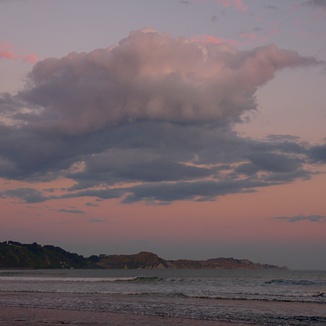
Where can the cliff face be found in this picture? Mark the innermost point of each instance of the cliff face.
(220, 263)
(143, 260)
(34, 256)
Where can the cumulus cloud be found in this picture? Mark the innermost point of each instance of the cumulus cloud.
(298, 218)
(148, 119)
(153, 77)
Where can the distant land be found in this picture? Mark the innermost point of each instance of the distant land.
(15, 255)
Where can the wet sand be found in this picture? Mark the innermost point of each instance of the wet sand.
(19, 316)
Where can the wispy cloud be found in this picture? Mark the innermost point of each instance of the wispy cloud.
(270, 7)
(257, 36)
(248, 36)
(7, 51)
(90, 204)
(29, 195)
(95, 220)
(185, 2)
(235, 4)
(299, 218)
(70, 211)
(214, 40)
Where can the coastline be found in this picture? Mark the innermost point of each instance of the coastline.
(21, 316)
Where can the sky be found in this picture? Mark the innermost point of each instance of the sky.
(193, 128)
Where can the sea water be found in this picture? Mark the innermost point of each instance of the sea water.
(259, 297)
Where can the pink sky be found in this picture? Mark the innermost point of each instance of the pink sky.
(197, 136)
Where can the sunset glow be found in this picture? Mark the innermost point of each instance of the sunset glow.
(197, 136)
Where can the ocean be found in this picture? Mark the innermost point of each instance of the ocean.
(253, 297)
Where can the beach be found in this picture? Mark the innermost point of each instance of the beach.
(18, 316)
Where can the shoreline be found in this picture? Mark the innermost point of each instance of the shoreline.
(19, 316)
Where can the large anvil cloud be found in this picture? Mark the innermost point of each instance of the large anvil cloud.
(148, 119)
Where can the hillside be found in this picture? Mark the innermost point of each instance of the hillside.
(142, 260)
(34, 256)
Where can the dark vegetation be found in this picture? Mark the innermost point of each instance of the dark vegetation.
(15, 255)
